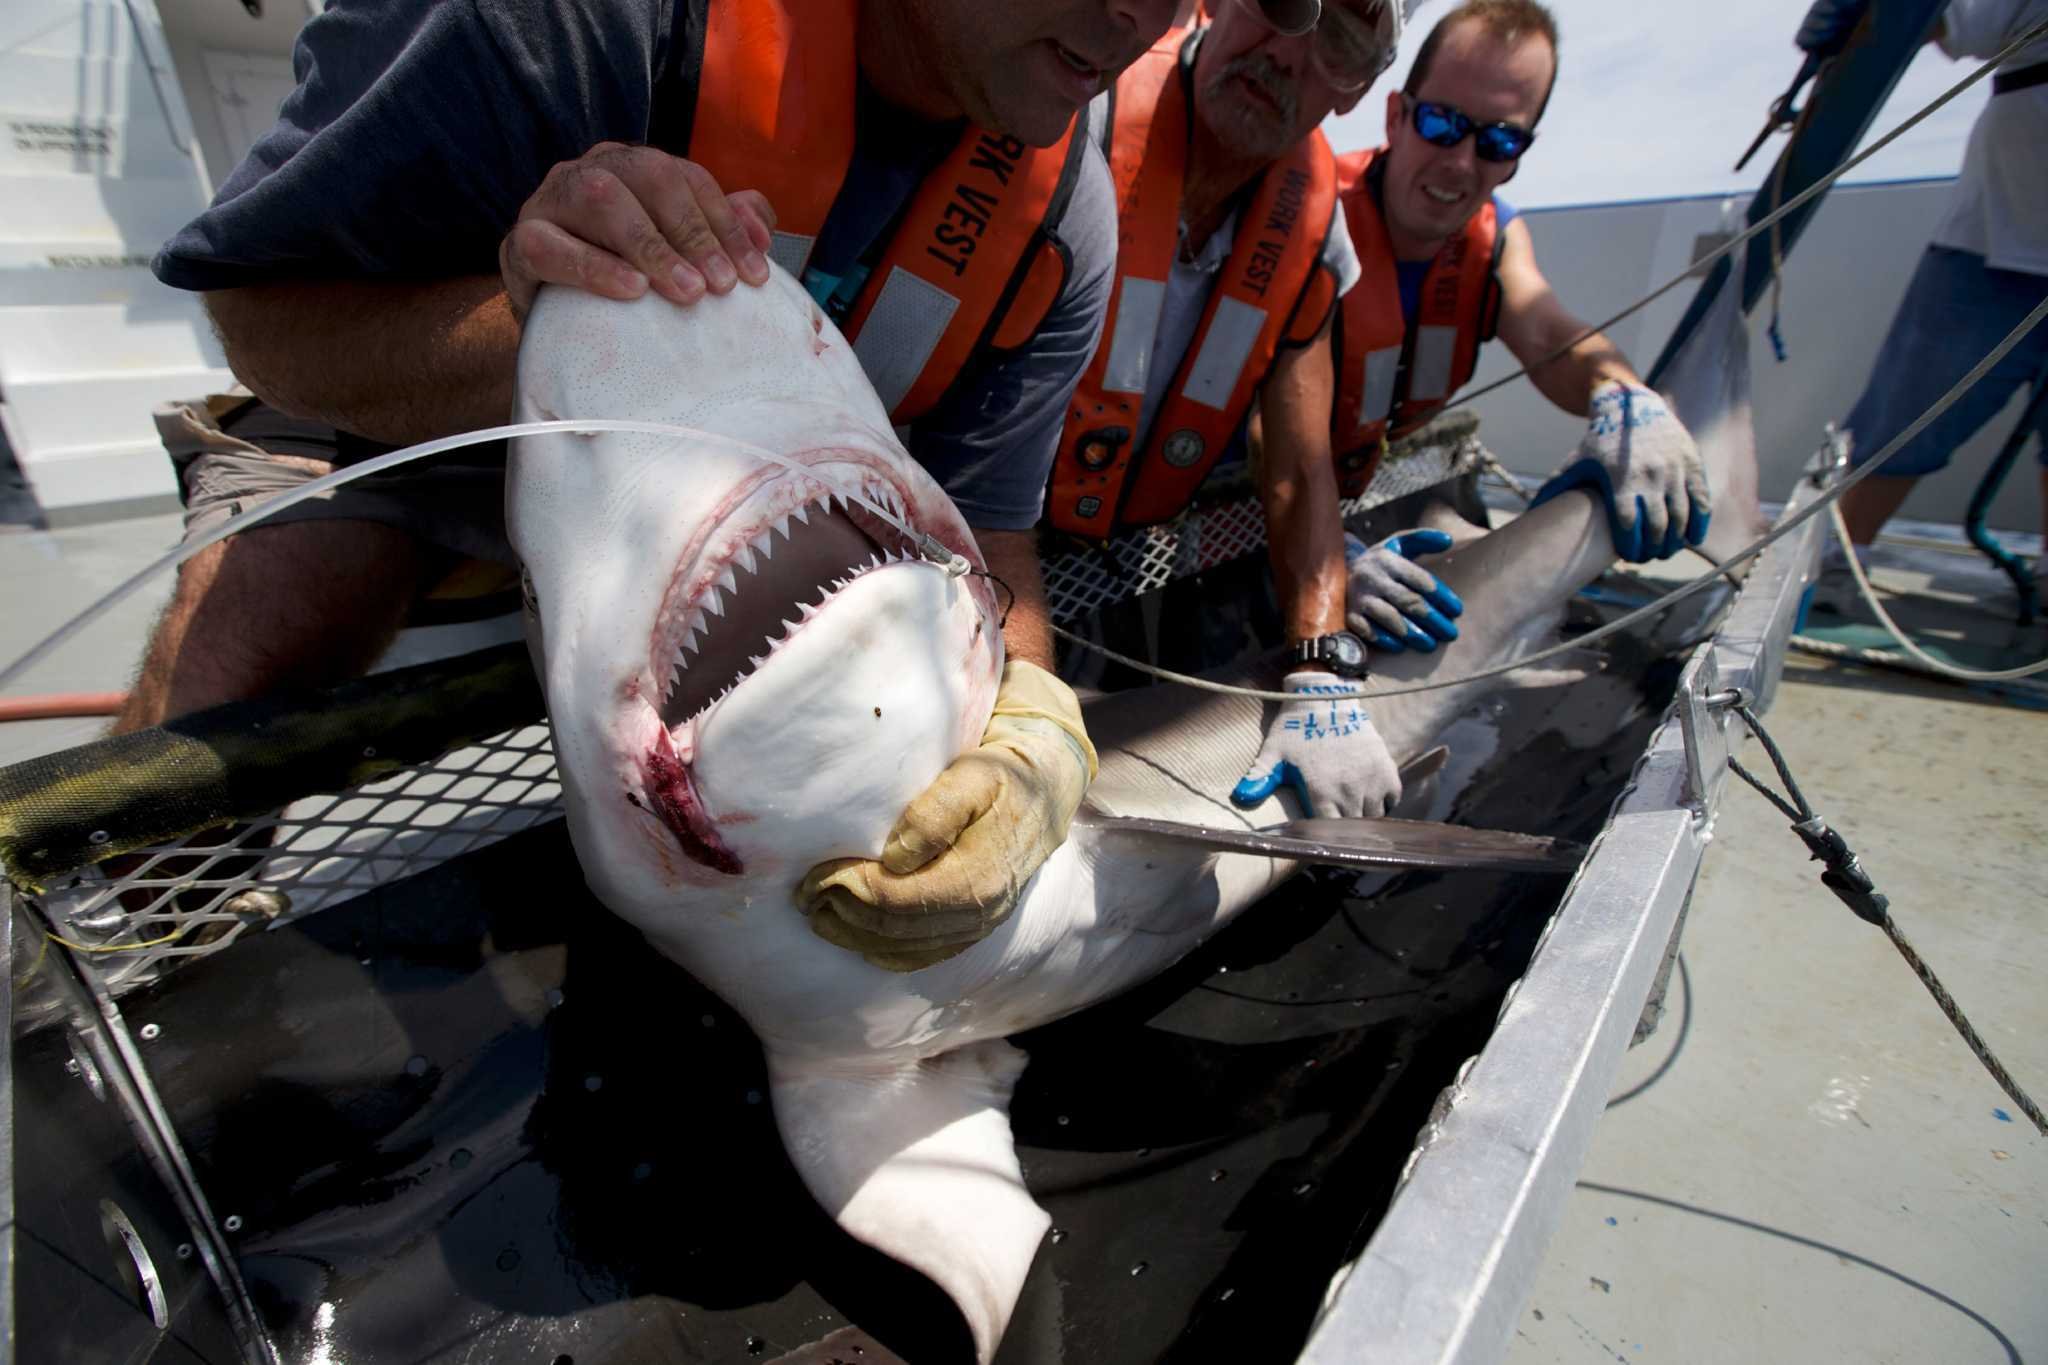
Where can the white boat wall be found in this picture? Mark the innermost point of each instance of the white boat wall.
(102, 159)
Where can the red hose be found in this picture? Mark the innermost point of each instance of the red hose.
(61, 705)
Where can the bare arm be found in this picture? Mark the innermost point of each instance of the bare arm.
(1298, 483)
(1535, 323)
(1012, 556)
(397, 362)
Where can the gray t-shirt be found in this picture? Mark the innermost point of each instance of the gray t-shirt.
(419, 128)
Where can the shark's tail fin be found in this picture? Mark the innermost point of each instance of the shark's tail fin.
(917, 1161)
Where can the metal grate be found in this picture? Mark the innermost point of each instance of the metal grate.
(182, 901)
(1080, 581)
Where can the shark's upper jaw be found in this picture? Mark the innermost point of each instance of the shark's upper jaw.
(762, 573)
(745, 585)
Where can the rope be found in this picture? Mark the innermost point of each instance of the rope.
(1892, 627)
(1881, 658)
(1764, 224)
(1844, 875)
(1784, 528)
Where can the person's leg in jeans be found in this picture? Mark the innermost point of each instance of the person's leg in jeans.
(1955, 310)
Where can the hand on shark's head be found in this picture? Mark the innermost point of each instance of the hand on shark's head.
(727, 642)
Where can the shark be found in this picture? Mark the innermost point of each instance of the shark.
(753, 659)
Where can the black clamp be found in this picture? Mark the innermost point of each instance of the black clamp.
(1844, 874)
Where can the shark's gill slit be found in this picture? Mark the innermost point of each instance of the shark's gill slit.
(771, 582)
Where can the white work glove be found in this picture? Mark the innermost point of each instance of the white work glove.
(1393, 602)
(954, 865)
(1325, 747)
(1642, 463)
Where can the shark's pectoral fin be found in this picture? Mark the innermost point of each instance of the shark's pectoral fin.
(918, 1162)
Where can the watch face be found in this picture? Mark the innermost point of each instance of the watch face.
(1344, 651)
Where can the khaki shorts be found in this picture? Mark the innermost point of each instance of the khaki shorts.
(233, 452)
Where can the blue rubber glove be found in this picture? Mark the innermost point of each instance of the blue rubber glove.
(1325, 747)
(1642, 464)
(1394, 603)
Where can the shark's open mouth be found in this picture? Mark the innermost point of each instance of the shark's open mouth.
(743, 589)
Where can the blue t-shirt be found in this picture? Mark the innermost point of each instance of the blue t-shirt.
(1409, 275)
(419, 128)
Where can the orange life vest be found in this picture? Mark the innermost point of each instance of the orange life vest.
(1274, 291)
(1392, 377)
(973, 266)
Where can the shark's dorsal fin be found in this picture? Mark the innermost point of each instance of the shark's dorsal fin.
(917, 1161)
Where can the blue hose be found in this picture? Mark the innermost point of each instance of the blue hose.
(1987, 489)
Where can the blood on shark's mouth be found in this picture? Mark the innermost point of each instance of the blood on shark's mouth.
(767, 587)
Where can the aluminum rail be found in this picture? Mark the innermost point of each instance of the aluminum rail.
(1447, 1272)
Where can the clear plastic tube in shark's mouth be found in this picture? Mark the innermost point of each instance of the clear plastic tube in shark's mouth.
(928, 546)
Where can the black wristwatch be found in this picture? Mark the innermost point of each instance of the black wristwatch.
(1340, 652)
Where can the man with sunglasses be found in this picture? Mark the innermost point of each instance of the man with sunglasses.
(1231, 253)
(1449, 265)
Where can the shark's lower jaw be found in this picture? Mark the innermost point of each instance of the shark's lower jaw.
(742, 592)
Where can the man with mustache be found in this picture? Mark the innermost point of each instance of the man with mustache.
(1447, 266)
(1232, 251)
(369, 266)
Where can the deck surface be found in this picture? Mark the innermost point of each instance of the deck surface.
(1805, 1162)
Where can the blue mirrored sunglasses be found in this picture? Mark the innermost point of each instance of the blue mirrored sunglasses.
(1446, 125)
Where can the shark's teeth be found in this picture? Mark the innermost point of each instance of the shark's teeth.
(781, 526)
(756, 660)
(713, 603)
(744, 557)
(765, 543)
(805, 610)
(692, 627)
(727, 580)
(802, 513)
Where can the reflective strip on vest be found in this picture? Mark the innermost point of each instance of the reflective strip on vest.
(791, 251)
(1435, 349)
(901, 332)
(1138, 306)
(1213, 376)
(1381, 367)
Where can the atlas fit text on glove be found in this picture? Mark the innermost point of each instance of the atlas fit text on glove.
(1323, 745)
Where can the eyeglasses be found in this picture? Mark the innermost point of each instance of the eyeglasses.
(1445, 125)
(1354, 42)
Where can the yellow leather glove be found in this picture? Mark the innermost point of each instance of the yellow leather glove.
(959, 856)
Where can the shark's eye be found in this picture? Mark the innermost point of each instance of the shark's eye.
(527, 595)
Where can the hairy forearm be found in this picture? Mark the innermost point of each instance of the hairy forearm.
(1298, 485)
(391, 361)
(1012, 556)
(1305, 543)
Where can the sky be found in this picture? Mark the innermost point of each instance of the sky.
(1657, 98)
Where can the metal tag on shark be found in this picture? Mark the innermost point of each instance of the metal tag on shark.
(1373, 843)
